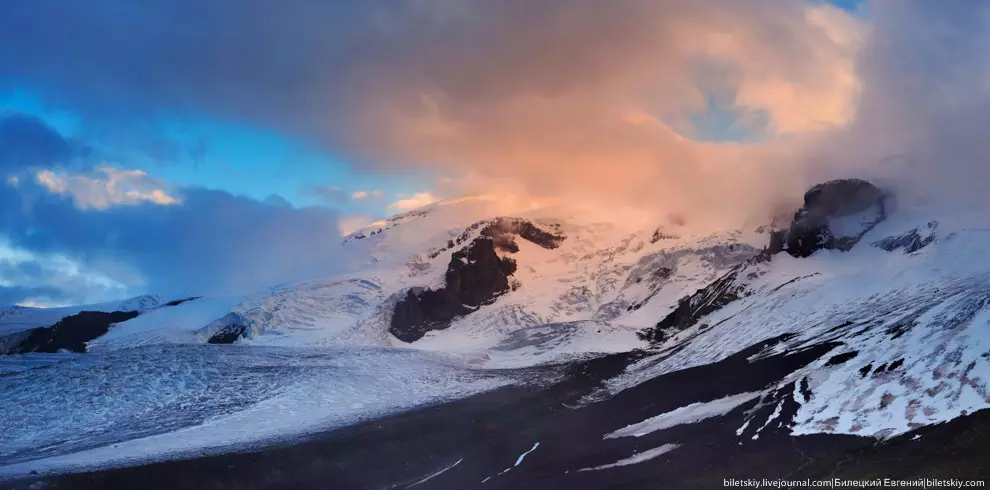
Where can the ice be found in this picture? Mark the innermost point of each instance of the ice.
(173, 324)
(689, 414)
(153, 402)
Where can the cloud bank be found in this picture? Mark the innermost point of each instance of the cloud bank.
(564, 101)
(89, 235)
(575, 98)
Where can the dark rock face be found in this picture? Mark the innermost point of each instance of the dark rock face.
(70, 333)
(692, 308)
(835, 215)
(177, 302)
(228, 335)
(659, 235)
(503, 232)
(502, 227)
(475, 276)
(226, 330)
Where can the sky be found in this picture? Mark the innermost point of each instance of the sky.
(200, 146)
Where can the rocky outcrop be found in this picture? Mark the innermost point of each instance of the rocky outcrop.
(911, 241)
(70, 333)
(226, 330)
(691, 309)
(835, 215)
(475, 276)
(503, 232)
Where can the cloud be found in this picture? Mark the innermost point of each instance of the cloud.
(52, 280)
(211, 241)
(359, 195)
(350, 224)
(57, 250)
(113, 188)
(331, 195)
(925, 107)
(437, 86)
(585, 100)
(417, 200)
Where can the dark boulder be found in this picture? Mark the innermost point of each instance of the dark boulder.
(475, 276)
(835, 215)
(70, 333)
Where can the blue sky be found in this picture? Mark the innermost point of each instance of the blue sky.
(235, 157)
(182, 146)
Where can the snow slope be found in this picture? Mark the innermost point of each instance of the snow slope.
(913, 328)
(15, 319)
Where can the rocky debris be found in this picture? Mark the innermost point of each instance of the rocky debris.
(70, 333)
(911, 241)
(835, 215)
(475, 276)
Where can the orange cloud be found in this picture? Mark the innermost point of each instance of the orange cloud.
(581, 100)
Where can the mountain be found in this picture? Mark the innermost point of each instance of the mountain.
(858, 322)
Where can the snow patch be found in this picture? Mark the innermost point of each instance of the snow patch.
(689, 414)
(636, 458)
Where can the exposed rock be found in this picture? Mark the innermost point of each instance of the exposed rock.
(228, 335)
(70, 333)
(525, 229)
(503, 231)
(177, 302)
(226, 330)
(911, 241)
(835, 215)
(659, 235)
(475, 276)
(689, 310)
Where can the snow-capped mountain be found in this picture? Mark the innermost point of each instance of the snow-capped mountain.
(875, 315)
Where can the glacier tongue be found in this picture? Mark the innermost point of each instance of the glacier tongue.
(144, 403)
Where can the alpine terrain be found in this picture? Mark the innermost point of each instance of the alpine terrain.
(846, 338)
